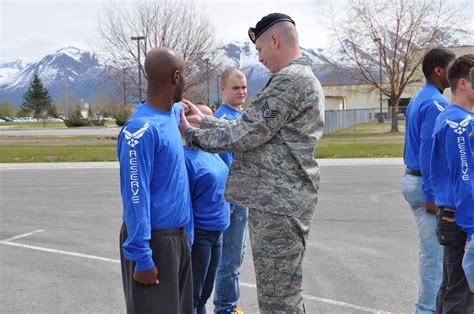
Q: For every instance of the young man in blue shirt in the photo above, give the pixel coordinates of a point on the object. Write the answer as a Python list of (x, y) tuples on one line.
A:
[(227, 291), (422, 112), (155, 255), (207, 175), (452, 172)]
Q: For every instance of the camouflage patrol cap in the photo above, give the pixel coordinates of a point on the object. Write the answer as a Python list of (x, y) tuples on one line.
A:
[(266, 22)]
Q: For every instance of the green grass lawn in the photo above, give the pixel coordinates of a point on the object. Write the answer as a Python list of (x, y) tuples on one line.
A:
[(370, 140), (57, 153), (40, 125), (363, 141), (57, 148)]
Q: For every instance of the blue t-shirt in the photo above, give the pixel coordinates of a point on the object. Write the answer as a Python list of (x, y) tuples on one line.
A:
[(207, 175), (153, 179), (422, 112), (452, 165), (228, 113)]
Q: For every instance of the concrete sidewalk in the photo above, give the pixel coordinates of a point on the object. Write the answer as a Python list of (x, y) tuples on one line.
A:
[(114, 164)]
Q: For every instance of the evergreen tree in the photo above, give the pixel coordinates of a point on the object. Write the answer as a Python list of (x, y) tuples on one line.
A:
[(36, 99)]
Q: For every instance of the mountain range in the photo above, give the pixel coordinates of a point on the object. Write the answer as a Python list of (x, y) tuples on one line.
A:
[(80, 75), (84, 76)]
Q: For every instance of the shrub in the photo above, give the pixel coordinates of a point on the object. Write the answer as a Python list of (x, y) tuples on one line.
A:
[(122, 116), (98, 122), (77, 120)]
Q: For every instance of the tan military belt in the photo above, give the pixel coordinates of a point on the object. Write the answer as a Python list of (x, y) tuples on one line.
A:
[(447, 214)]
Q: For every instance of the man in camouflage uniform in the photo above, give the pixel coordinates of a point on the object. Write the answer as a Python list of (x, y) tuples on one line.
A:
[(274, 172)]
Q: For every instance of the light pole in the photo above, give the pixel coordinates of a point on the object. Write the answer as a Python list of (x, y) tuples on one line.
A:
[(217, 84), (378, 41), (207, 77), (138, 38), (124, 89)]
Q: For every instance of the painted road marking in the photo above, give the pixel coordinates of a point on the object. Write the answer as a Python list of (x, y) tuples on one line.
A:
[(116, 261)]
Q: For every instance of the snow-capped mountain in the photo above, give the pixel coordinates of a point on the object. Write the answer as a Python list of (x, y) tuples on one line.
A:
[(9, 69), (244, 56), (83, 75), (76, 70)]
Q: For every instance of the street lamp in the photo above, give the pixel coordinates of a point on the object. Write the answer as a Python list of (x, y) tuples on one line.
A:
[(207, 77), (138, 38), (124, 88), (217, 84), (378, 41)]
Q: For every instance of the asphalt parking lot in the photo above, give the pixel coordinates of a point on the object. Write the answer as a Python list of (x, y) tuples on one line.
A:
[(59, 241)]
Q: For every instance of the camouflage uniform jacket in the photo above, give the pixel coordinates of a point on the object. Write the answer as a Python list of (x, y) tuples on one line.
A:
[(273, 167)]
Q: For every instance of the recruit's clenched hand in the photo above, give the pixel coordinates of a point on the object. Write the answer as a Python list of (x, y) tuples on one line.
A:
[(431, 208), (147, 277)]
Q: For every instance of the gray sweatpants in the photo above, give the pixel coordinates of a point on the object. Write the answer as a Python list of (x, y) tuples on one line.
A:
[(172, 258)]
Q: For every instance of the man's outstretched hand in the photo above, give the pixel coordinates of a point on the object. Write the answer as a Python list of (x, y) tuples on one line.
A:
[(183, 124), (194, 115)]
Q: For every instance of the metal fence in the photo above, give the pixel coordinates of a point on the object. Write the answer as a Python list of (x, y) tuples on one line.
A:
[(336, 120)]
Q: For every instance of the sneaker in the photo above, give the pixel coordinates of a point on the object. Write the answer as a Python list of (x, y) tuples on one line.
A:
[(233, 310)]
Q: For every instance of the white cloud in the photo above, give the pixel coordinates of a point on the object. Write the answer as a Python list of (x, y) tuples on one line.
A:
[(32, 29)]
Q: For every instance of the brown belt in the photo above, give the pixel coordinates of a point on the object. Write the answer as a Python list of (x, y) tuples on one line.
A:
[(413, 172), (447, 214)]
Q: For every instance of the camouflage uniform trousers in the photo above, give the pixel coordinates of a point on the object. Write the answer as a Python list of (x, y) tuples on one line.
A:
[(278, 246)]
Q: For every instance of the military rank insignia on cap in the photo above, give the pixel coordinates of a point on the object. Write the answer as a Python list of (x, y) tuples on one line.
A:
[(266, 22)]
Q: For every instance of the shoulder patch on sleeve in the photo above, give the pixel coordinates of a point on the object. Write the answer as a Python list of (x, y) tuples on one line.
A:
[(268, 113), (440, 108), (458, 128), (133, 137)]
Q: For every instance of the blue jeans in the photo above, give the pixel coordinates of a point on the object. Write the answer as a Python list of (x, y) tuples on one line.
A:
[(205, 256), (227, 289), (468, 264), (430, 259)]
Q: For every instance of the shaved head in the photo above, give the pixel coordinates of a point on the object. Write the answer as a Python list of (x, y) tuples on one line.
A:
[(164, 69), (232, 71), (205, 109), (278, 46)]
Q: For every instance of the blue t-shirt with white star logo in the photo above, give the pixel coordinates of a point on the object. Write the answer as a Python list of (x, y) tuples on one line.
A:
[(153, 179), (452, 165), (422, 112)]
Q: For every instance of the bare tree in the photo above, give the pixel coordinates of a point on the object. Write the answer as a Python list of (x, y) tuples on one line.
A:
[(177, 24), (391, 36)]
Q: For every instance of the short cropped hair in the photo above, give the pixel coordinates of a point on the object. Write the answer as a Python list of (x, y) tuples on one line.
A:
[(472, 78), (227, 73), (436, 57), (461, 68)]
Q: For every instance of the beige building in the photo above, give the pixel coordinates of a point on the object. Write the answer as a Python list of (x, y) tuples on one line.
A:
[(343, 97)]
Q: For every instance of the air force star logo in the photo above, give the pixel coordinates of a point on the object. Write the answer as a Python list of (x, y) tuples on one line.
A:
[(459, 128), (133, 137)]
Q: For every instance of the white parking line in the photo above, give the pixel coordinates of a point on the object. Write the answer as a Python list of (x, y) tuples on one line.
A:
[(23, 235), (375, 197), (105, 259)]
